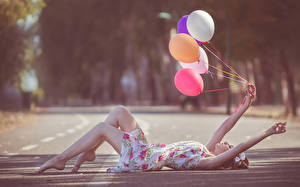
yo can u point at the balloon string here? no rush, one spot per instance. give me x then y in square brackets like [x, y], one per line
[225, 62]
[220, 89]
[242, 82]
[221, 57]
[235, 75]
[216, 56]
[224, 71]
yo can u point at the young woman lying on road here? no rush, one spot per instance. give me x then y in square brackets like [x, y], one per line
[136, 154]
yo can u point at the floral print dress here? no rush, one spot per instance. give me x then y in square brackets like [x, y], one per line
[138, 155]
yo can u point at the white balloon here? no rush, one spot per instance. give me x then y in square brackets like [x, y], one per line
[200, 25]
[200, 67]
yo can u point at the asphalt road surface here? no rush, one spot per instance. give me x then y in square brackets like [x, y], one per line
[273, 162]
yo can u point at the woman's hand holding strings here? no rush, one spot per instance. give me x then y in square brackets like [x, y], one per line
[278, 128]
[249, 97]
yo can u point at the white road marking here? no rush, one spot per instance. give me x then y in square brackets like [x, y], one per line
[84, 120]
[79, 127]
[92, 183]
[9, 154]
[48, 139]
[12, 154]
[29, 147]
[60, 134]
[71, 131]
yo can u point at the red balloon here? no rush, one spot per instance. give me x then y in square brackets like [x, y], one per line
[189, 82]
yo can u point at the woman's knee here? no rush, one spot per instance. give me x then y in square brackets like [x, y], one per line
[124, 118]
[121, 110]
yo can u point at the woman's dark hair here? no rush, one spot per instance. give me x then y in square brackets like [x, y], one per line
[232, 164]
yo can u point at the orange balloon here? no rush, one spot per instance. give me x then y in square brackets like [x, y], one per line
[184, 48]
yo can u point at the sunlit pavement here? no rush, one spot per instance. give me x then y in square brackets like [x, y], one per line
[273, 162]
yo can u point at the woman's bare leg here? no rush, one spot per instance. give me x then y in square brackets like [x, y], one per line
[118, 117]
[101, 132]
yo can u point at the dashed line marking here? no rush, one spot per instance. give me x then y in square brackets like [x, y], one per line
[12, 154]
[79, 127]
[9, 154]
[71, 131]
[48, 139]
[84, 122]
[60, 134]
[29, 147]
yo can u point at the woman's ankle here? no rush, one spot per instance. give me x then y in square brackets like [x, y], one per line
[61, 158]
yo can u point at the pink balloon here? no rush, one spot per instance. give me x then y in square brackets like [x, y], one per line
[189, 82]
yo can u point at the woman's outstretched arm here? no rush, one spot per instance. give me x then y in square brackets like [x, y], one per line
[229, 123]
[217, 161]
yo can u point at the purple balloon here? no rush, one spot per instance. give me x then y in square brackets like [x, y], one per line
[181, 27]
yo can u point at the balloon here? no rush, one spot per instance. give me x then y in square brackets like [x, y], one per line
[188, 82]
[184, 48]
[200, 25]
[181, 27]
[200, 67]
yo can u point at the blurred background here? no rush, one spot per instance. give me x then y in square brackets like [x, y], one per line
[101, 52]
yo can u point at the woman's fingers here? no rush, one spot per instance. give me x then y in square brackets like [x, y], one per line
[252, 89]
[280, 127]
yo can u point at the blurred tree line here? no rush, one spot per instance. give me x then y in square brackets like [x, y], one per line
[117, 51]
[16, 46]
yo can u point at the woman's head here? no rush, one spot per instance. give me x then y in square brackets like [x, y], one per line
[239, 162]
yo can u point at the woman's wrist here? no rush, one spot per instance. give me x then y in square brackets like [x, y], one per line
[267, 133]
[243, 108]
[245, 105]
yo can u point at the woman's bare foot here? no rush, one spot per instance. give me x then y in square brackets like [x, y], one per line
[56, 162]
[82, 157]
